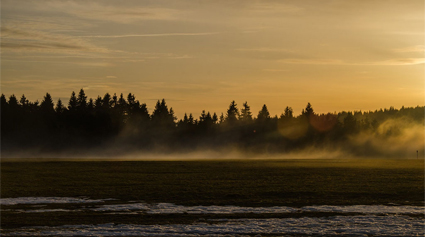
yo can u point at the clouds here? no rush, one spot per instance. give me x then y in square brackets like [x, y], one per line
[111, 11]
[415, 49]
[15, 39]
[150, 35]
[389, 62]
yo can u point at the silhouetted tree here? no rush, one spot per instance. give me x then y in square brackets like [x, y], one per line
[308, 111]
[232, 113]
[72, 104]
[106, 101]
[24, 102]
[60, 108]
[263, 114]
[90, 105]
[13, 102]
[46, 105]
[246, 115]
[3, 101]
[215, 118]
[161, 116]
[221, 119]
[114, 101]
[81, 101]
[98, 103]
[288, 113]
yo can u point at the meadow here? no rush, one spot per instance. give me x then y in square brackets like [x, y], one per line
[246, 183]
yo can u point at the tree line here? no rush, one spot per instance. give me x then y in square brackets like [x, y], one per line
[126, 123]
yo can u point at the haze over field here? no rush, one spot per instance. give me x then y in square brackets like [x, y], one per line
[338, 55]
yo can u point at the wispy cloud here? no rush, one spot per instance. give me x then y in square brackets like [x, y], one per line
[150, 35]
[267, 7]
[389, 62]
[407, 33]
[312, 61]
[263, 50]
[32, 40]
[416, 48]
[116, 12]
[275, 70]
[399, 62]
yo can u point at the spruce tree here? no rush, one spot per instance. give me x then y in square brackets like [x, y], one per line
[72, 104]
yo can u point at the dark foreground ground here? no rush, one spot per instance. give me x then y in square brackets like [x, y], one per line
[253, 183]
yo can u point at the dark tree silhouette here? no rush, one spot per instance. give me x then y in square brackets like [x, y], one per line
[46, 105]
[72, 104]
[288, 113]
[308, 111]
[59, 109]
[263, 114]
[161, 116]
[106, 101]
[24, 102]
[246, 115]
[81, 101]
[232, 113]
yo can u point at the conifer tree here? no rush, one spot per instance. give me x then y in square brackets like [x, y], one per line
[90, 105]
[98, 103]
[23, 101]
[232, 113]
[106, 101]
[214, 118]
[81, 100]
[308, 111]
[3, 102]
[288, 113]
[59, 107]
[13, 102]
[47, 104]
[263, 114]
[72, 104]
[246, 115]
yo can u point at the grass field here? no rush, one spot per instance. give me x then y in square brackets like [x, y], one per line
[254, 183]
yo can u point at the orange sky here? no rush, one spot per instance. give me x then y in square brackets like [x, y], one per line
[337, 55]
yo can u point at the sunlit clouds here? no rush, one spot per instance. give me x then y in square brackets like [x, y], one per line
[204, 54]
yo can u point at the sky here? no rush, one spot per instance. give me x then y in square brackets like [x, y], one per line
[200, 55]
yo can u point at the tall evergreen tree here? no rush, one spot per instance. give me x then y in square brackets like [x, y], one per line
[81, 100]
[90, 105]
[106, 101]
[215, 118]
[3, 101]
[114, 100]
[246, 115]
[13, 102]
[23, 101]
[72, 104]
[288, 113]
[232, 113]
[122, 105]
[59, 107]
[98, 103]
[263, 114]
[47, 104]
[161, 116]
[308, 111]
